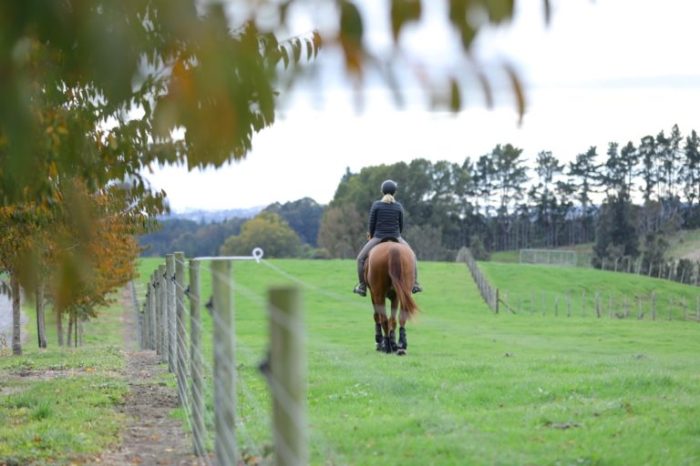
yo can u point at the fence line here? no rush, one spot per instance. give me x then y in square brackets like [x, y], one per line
[603, 304]
[487, 291]
[165, 327]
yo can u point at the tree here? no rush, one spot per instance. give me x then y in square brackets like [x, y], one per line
[691, 182]
[616, 232]
[647, 151]
[426, 242]
[267, 231]
[97, 90]
[20, 226]
[303, 216]
[584, 172]
[343, 231]
[509, 178]
[543, 194]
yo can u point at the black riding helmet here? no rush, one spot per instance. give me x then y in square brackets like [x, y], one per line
[389, 187]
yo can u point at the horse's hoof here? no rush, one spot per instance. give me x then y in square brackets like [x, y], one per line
[401, 352]
[379, 347]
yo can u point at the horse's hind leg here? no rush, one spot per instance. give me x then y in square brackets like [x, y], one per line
[381, 324]
[403, 341]
[378, 337]
[391, 337]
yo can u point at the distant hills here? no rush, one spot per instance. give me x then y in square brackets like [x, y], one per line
[211, 216]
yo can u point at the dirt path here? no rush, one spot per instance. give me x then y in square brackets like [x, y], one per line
[151, 436]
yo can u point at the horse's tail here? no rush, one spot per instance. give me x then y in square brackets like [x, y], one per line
[402, 279]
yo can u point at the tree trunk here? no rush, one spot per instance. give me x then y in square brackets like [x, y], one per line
[40, 318]
[16, 316]
[59, 327]
[69, 339]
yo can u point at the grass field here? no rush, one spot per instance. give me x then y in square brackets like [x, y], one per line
[58, 405]
[537, 289]
[476, 388]
[682, 244]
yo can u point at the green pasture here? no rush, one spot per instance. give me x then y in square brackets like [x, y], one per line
[682, 244]
[57, 405]
[541, 289]
[475, 388]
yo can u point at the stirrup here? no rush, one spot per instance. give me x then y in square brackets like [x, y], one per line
[360, 289]
[416, 288]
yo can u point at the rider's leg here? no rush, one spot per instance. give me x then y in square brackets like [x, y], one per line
[361, 288]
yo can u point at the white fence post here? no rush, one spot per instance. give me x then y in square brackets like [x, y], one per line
[224, 363]
[288, 376]
[198, 431]
[181, 360]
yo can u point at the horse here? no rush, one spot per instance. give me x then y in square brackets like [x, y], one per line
[389, 273]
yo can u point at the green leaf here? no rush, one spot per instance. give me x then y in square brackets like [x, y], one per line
[517, 90]
[455, 96]
[403, 12]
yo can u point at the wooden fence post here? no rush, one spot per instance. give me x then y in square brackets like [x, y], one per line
[137, 309]
[157, 321]
[653, 305]
[544, 303]
[224, 363]
[288, 377]
[152, 311]
[171, 327]
[198, 431]
[597, 304]
[181, 361]
[146, 316]
[163, 310]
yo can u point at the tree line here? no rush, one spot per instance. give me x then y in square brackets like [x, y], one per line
[283, 230]
[625, 201]
[629, 193]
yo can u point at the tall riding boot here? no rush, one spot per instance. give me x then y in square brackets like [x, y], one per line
[361, 288]
[416, 287]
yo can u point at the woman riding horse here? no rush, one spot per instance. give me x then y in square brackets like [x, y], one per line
[385, 223]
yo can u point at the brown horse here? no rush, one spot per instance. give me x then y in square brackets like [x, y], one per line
[389, 272]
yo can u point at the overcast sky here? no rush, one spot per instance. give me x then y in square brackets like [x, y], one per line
[609, 70]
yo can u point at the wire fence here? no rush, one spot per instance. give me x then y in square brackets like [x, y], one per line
[208, 376]
[585, 303]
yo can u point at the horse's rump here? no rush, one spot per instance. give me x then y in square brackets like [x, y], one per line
[390, 267]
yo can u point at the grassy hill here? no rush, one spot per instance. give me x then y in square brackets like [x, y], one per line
[684, 244]
[586, 292]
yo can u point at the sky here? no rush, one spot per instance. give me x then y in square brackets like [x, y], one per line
[602, 71]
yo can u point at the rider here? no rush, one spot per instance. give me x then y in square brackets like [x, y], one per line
[385, 221]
